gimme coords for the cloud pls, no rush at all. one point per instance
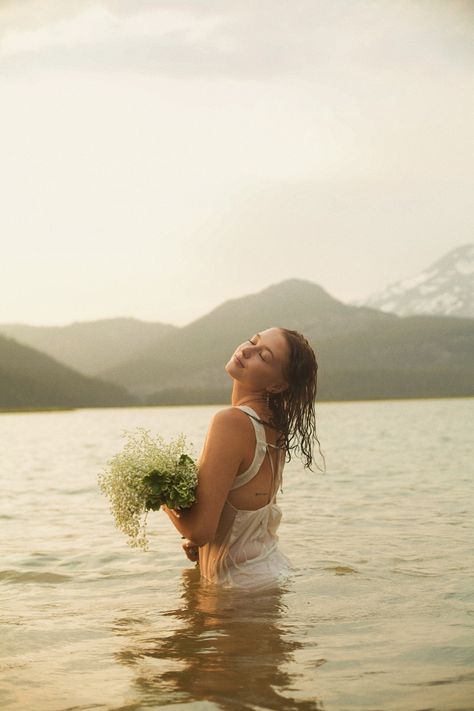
(174, 141)
(313, 40)
(97, 26)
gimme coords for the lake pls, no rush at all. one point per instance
(378, 614)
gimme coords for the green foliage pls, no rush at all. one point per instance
(173, 487)
(147, 473)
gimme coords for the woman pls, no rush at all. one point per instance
(232, 528)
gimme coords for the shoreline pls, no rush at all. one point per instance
(53, 408)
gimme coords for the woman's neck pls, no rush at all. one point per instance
(256, 400)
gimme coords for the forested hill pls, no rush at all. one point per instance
(362, 353)
(91, 346)
(30, 379)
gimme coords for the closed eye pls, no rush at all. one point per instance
(260, 354)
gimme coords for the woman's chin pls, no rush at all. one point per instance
(231, 369)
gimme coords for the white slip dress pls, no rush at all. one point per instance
(244, 553)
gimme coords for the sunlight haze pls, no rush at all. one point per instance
(159, 158)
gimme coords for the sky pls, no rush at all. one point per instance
(159, 158)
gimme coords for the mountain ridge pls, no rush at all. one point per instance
(295, 304)
(84, 345)
(32, 379)
(445, 288)
(363, 352)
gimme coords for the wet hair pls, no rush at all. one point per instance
(293, 410)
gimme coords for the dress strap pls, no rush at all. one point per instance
(260, 449)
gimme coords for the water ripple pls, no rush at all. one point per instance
(16, 576)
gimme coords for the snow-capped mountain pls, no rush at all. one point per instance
(446, 288)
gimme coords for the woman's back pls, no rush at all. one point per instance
(244, 551)
(233, 524)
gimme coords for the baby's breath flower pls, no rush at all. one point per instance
(147, 473)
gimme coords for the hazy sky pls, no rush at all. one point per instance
(157, 158)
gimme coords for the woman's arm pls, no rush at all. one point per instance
(218, 465)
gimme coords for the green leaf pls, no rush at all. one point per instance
(185, 461)
(153, 504)
(156, 480)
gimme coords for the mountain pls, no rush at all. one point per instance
(89, 345)
(445, 288)
(362, 352)
(30, 379)
(406, 357)
(196, 353)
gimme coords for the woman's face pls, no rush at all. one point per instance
(259, 362)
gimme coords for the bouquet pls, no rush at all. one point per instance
(147, 473)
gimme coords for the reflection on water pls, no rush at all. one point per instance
(382, 549)
(224, 647)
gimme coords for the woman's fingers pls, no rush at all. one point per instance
(191, 550)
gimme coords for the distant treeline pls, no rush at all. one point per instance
(350, 385)
(29, 379)
(362, 353)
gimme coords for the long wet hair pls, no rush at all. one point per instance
(293, 410)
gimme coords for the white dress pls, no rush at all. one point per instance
(244, 552)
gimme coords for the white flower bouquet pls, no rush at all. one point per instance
(146, 474)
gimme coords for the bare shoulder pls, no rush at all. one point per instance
(232, 426)
(230, 419)
(227, 438)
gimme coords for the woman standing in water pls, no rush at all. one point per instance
(231, 530)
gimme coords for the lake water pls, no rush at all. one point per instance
(378, 615)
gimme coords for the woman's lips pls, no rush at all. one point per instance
(236, 358)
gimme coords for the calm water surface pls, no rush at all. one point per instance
(378, 615)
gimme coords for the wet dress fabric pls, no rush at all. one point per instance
(244, 552)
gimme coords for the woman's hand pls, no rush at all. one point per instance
(219, 463)
(192, 550)
(175, 512)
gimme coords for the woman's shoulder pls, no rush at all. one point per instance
(230, 417)
(231, 423)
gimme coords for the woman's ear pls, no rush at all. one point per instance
(278, 388)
